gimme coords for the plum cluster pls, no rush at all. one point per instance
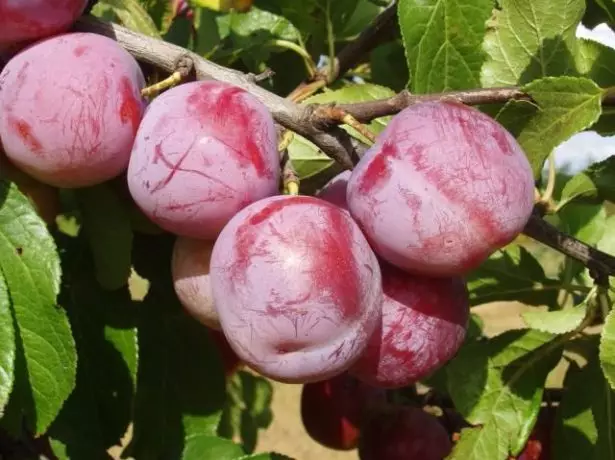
(364, 281)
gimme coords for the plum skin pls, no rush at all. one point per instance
(297, 288)
(424, 319)
(403, 433)
(204, 151)
(190, 272)
(333, 410)
(26, 20)
(443, 188)
(424, 323)
(70, 106)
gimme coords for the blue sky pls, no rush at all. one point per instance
(587, 147)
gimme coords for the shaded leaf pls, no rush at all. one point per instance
(529, 40)
(98, 412)
(511, 273)
(584, 422)
(108, 227)
(607, 348)
(247, 409)
(596, 61)
(31, 268)
(443, 41)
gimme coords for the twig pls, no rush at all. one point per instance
(367, 40)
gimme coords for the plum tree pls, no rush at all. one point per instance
(403, 433)
(424, 319)
(297, 288)
(443, 187)
(203, 152)
(44, 198)
(26, 20)
(70, 107)
(191, 280)
(332, 410)
(424, 322)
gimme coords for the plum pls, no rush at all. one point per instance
(190, 272)
(336, 189)
(25, 20)
(70, 107)
(297, 288)
(333, 410)
(204, 151)
(424, 322)
(403, 433)
(443, 188)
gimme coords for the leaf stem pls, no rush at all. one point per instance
(307, 59)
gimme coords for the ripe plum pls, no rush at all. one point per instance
(24, 20)
(69, 109)
(297, 288)
(204, 151)
(443, 187)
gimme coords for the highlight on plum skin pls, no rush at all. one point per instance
(70, 107)
(26, 20)
(333, 410)
(203, 152)
(403, 433)
(443, 188)
(424, 323)
(191, 280)
(297, 288)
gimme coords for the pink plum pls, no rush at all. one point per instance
(443, 187)
(204, 151)
(190, 272)
(297, 288)
(25, 20)
(70, 107)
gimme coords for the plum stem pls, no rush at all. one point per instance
(174, 79)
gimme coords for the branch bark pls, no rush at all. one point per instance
(314, 125)
(163, 55)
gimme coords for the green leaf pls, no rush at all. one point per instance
(586, 222)
(7, 345)
(132, 15)
(528, 40)
(31, 268)
(595, 61)
(161, 12)
(596, 183)
(502, 393)
(557, 321)
(98, 412)
(199, 447)
(388, 66)
(607, 348)
(443, 42)
(511, 273)
(247, 409)
(565, 106)
(106, 222)
(584, 422)
(599, 11)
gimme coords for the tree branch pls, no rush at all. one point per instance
(312, 123)
(375, 34)
(163, 55)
